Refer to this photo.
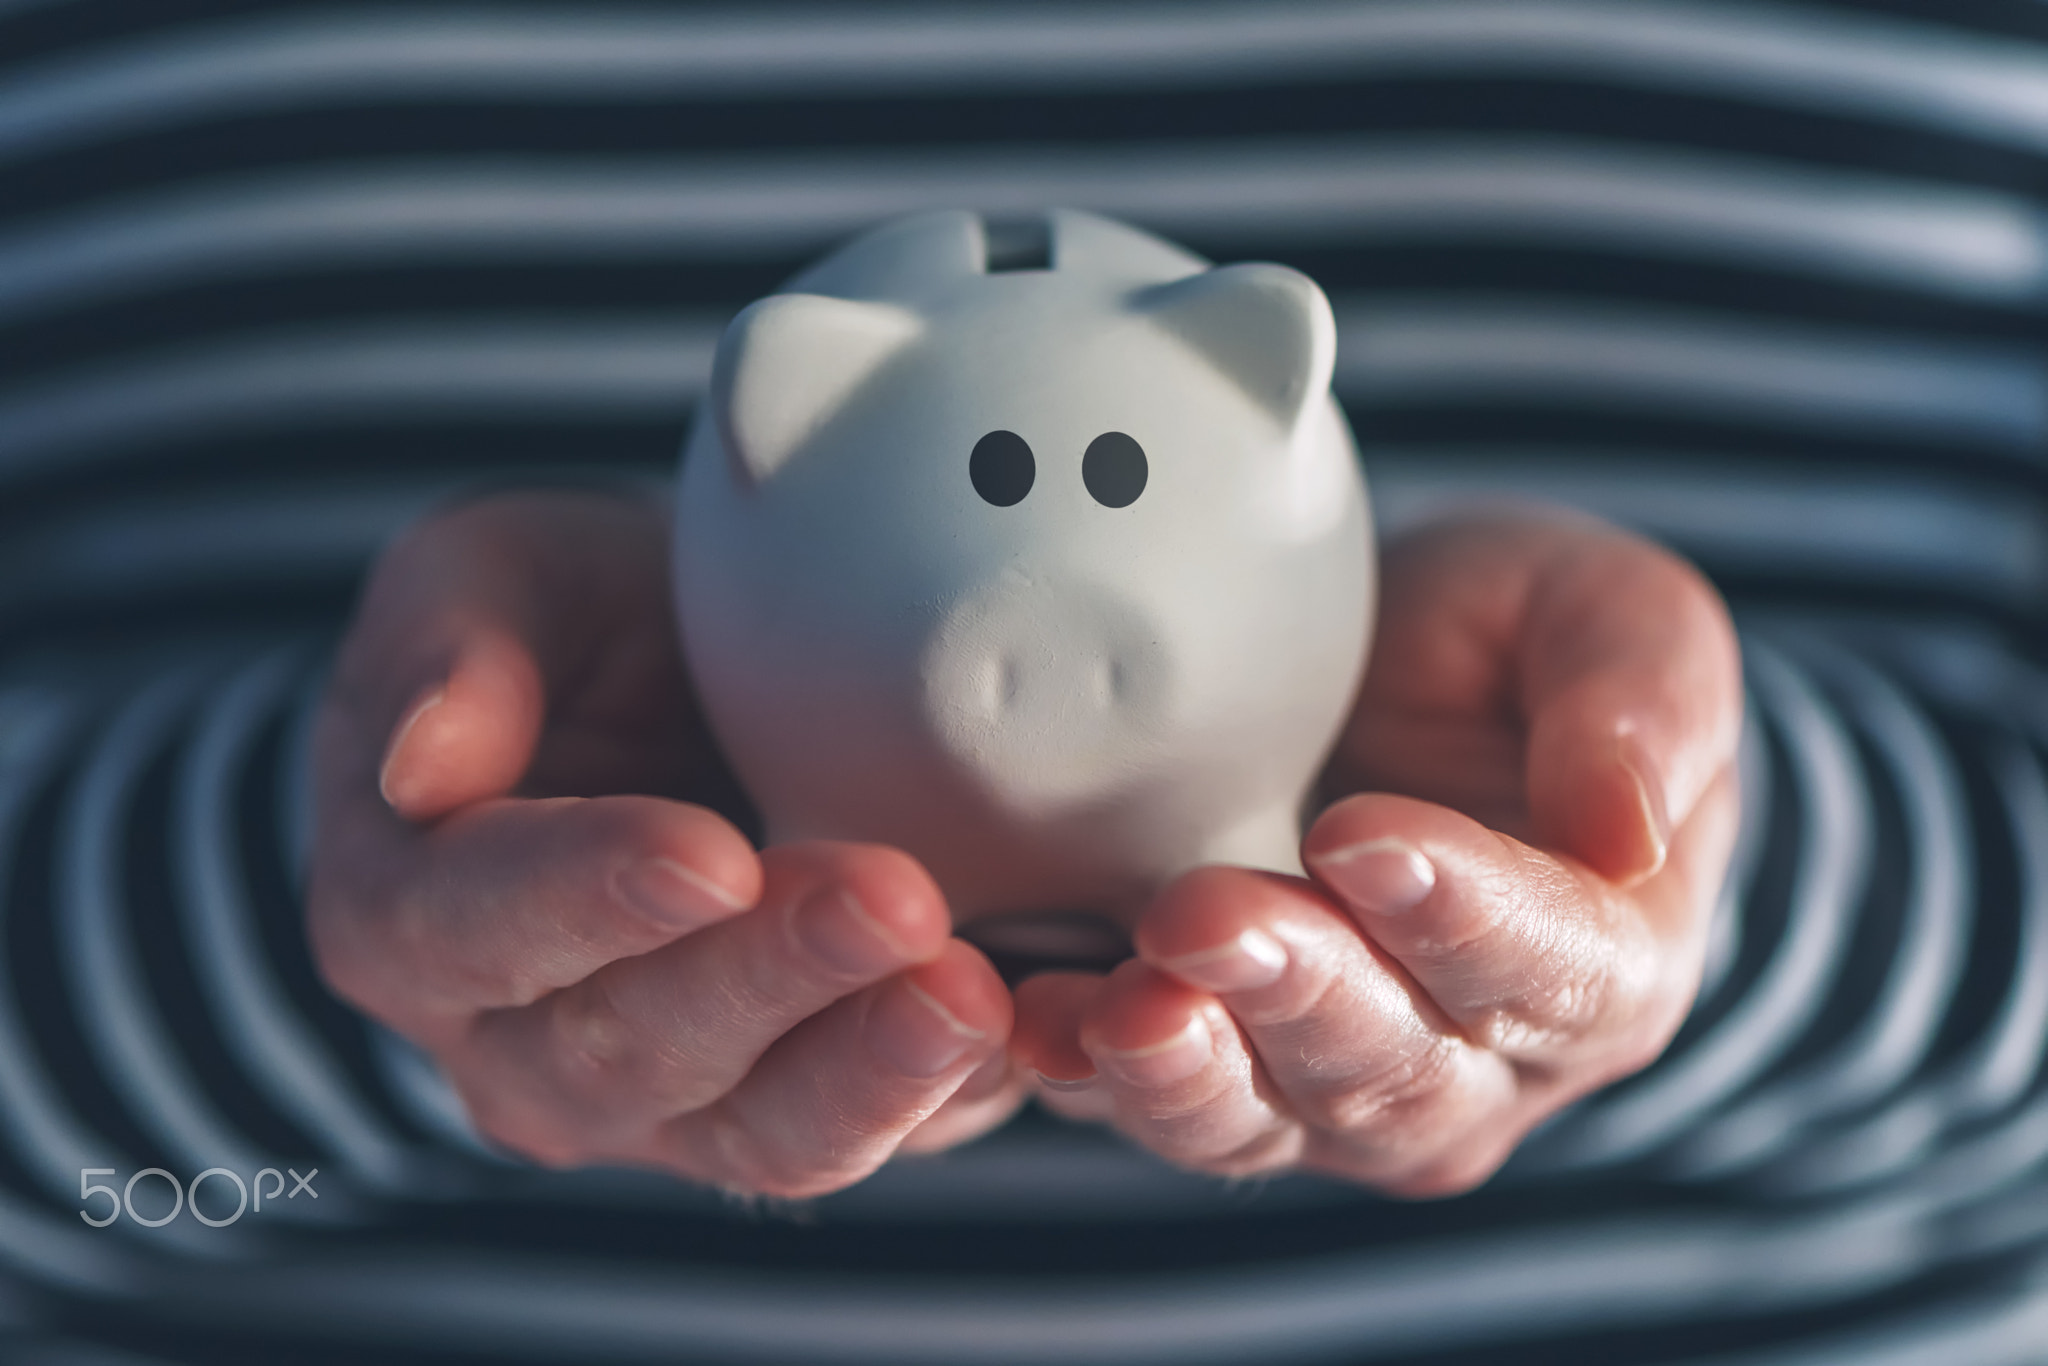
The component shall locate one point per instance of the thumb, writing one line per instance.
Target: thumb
(1632, 686)
(470, 727)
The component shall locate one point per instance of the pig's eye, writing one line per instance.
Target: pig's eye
(1114, 470)
(1002, 468)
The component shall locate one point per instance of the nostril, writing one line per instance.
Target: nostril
(995, 683)
(1106, 682)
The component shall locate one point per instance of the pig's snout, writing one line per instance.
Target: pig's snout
(1047, 692)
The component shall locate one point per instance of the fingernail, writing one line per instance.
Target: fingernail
(671, 894)
(1382, 876)
(1252, 960)
(1163, 1063)
(912, 1031)
(1069, 1085)
(393, 794)
(835, 928)
(1649, 799)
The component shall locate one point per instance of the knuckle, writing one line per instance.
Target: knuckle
(1538, 1021)
(1617, 1001)
(604, 1053)
(1584, 985)
(1396, 1104)
(595, 1048)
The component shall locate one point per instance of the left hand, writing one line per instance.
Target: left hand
(1509, 910)
(518, 865)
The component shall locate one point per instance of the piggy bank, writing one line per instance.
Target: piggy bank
(1037, 549)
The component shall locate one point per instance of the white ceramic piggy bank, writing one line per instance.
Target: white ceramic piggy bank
(1039, 551)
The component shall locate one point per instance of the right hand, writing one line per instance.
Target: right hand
(612, 978)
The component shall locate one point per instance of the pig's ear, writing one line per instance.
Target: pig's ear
(787, 363)
(1266, 327)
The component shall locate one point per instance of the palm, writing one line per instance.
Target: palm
(1439, 716)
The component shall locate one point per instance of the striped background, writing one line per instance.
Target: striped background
(1769, 281)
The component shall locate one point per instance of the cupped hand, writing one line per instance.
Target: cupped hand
(1506, 906)
(617, 978)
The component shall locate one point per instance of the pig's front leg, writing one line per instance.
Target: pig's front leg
(1269, 839)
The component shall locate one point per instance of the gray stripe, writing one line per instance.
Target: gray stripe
(1792, 987)
(73, 1353)
(1940, 910)
(1861, 383)
(311, 530)
(1725, 934)
(626, 369)
(47, 1138)
(607, 370)
(1874, 528)
(1457, 1290)
(2018, 1038)
(1851, 523)
(1898, 1027)
(1898, 233)
(1996, 1326)
(128, 1037)
(255, 1018)
(58, 1252)
(2000, 1065)
(1985, 87)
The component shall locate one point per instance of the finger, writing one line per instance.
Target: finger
(992, 1093)
(1050, 1009)
(1352, 1046)
(468, 735)
(1460, 1161)
(837, 1096)
(1532, 956)
(1631, 683)
(1046, 1043)
(1181, 1079)
(472, 628)
(591, 1068)
(510, 900)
